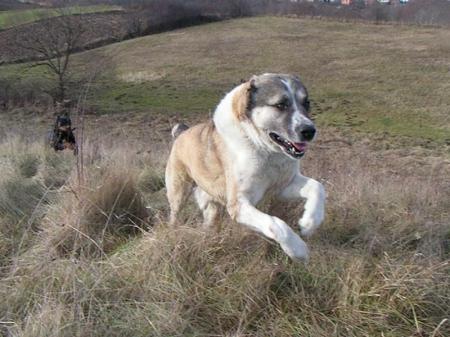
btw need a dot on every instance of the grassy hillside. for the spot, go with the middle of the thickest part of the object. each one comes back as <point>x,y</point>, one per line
<point>13,18</point>
<point>381,79</point>
<point>372,78</point>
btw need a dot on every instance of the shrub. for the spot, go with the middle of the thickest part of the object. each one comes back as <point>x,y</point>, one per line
<point>27,165</point>
<point>150,180</point>
<point>19,197</point>
<point>56,167</point>
<point>94,219</point>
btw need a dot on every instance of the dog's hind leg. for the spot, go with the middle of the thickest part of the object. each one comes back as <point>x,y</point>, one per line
<point>179,187</point>
<point>209,208</point>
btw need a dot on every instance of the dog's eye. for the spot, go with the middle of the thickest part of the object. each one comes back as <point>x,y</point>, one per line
<point>307,104</point>
<point>283,105</point>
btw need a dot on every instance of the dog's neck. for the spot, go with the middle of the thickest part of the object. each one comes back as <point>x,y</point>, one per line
<point>242,133</point>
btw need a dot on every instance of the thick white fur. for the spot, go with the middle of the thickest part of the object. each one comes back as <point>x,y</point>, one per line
<point>260,169</point>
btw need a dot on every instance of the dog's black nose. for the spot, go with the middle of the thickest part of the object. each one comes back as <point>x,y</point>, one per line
<point>307,132</point>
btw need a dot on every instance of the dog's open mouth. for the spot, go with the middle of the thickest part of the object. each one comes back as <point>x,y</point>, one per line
<point>295,150</point>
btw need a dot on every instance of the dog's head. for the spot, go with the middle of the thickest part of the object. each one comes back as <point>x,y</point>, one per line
<point>277,105</point>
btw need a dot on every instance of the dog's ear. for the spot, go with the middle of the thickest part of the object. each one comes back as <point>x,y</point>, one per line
<point>242,99</point>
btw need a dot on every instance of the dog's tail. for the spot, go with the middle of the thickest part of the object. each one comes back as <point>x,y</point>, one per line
<point>178,129</point>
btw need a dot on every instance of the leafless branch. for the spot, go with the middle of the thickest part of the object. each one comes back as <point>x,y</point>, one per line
<point>54,45</point>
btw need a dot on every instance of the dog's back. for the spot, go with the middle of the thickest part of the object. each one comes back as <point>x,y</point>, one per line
<point>196,158</point>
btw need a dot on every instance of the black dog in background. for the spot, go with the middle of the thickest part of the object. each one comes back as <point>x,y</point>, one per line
<point>62,136</point>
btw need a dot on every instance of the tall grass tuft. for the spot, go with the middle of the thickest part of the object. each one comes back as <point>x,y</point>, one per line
<point>93,220</point>
<point>150,180</point>
<point>28,165</point>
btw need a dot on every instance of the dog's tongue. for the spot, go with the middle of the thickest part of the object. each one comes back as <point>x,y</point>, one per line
<point>300,146</point>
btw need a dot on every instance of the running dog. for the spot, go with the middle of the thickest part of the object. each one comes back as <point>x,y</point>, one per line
<point>250,150</point>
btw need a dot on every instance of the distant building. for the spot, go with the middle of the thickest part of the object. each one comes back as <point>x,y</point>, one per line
<point>386,2</point>
<point>346,2</point>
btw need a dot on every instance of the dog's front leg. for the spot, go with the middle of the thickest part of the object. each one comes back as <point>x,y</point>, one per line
<point>314,193</point>
<point>272,227</point>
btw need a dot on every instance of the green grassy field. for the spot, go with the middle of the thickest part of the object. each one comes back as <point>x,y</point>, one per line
<point>13,18</point>
<point>381,79</point>
<point>367,78</point>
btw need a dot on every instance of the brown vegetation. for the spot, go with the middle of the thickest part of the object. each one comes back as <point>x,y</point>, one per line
<point>8,5</point>
<point>425,12</point>
<point>379,263</point>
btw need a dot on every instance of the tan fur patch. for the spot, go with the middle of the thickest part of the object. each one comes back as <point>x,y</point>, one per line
<point>204,165</point>
<point>240,101</point>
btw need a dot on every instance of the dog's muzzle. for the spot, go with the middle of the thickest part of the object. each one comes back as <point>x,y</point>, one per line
<point>295,150</point>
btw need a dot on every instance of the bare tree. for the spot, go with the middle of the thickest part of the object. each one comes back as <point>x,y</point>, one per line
<point>57,39</point>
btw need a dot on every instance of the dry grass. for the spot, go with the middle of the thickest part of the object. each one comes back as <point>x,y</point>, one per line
<point>379,264</point>
<point>381,200</point>
<point>97,218</point>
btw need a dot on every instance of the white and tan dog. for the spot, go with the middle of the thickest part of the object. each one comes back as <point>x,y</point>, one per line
<point>248,151</point>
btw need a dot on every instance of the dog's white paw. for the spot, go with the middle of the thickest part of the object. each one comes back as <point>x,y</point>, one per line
<point>289,241</point>
<point>295,247</point>
<point>309,223</point>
